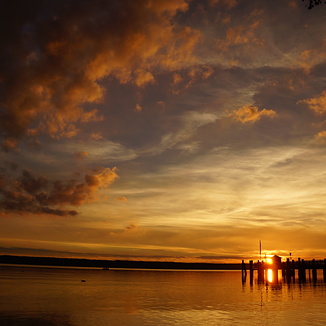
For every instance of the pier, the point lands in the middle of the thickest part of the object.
(292, 271)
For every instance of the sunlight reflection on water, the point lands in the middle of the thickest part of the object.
(53, 296)
(270, 275)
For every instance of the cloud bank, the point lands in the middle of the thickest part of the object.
(28, 193)
(55, 58)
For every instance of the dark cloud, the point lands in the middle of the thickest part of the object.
(28, 193)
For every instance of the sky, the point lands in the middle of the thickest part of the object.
(167, 130)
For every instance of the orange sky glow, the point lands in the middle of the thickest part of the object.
(175, 130)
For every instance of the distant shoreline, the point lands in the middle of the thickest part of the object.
(124, 264)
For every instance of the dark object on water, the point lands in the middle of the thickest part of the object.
(83, 280)
(106, 268)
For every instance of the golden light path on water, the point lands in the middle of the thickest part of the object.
(270, 276)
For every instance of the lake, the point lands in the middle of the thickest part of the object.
(94, 297)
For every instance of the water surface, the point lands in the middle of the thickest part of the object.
(58, 296)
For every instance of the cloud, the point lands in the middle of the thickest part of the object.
(143, 78)
(189, 148)
(81, 155)
(311, 57)
(96, 136)
(240, 39)
(251, 114)
(54, 59)
(38, 195)
(121, 198)
(101, 151)
(320, 137)
(229, 3)
(191, 121)
(316, 104)
(176, 78)
(138, 108)
(9, 144)
(186, 79)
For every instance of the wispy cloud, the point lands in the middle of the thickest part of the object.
(190, 123)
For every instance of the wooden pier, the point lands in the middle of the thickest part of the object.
(292, 271)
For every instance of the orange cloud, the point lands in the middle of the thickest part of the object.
(251, 114)
(241, 39)
(207, 72)
(316, 104)
(148, 40)
(138, 108)
(176, 79)
(81, 155)
(198, 72)
(127, 40)
(96, 136)
(121, 198)
(143, 78)
(243, 35)
(321, 136)
(9, 144)
(311, 57)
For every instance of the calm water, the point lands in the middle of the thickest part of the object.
(56, 296)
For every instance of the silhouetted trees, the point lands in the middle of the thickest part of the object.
(312, 3)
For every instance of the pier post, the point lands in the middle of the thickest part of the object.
(275, 272)
(301, 271)
(251, 271)
(260, 269)
(288, 271)
(244, 271)
(304, 271)
(324, 271)
(314, 271)
(293, 271)
(283, 270)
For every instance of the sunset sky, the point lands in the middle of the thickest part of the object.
(163, 130)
